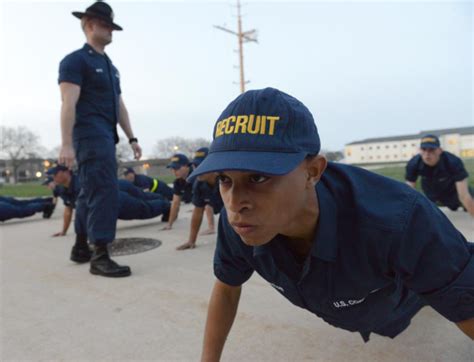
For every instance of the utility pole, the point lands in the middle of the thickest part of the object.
(243, 37)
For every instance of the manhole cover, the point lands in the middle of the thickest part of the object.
(128, 246)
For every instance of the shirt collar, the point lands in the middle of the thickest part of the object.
(91, 51)
(325, 240)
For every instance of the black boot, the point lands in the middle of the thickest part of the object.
(101, 264)
(80, 252)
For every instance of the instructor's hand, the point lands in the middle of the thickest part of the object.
(137, 150)
(59, 234)
(66, 156)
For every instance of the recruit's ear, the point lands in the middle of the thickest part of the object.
(315, 167)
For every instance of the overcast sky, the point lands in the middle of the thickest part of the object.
(364, 69)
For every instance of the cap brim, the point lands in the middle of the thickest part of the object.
(428, 145)
(174, 166)
(269, 163)
(80, 15)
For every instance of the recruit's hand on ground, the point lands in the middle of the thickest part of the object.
(167, 227)
(208, 232)
(60, 233)
(137, 150)
(188, 245)
(66, 156)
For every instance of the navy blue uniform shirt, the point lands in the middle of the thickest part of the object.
(381, 251)
(69, 194)
(205, 194)
(438, 182)
(183, 189)
(97, 110)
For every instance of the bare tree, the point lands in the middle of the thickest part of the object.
(18, 145)
(123, 151)
(166, 147)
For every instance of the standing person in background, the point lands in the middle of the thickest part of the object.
(444, 179)
(92, 106)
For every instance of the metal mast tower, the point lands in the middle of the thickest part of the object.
(243, 37)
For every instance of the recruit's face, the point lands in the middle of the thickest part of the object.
(431, 156)
(261, 206)
(101, 31)
(181, 172)
(130, 177)
(61, 178)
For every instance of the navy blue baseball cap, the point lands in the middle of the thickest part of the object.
(177, 161)
(429, 141)
(55, 169)
(200, 155)
(128, 170)
(265, 131)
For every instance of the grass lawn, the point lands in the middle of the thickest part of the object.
(35, 189)
(25, 190)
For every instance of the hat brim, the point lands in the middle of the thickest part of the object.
(428, 145)
(268, 163)
(174, 166)
(80, 15)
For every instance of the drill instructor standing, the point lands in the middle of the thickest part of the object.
(92, 106)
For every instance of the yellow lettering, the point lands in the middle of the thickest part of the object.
(229, 129)
(253, 127)
(272, 120)
(219, 129)
(263, 124)
(241, 123)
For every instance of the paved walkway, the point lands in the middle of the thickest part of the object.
(53, 309)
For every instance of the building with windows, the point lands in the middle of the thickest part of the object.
(458, 141)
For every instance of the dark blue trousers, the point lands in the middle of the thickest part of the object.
(131, 208)
(97, 203)
(11, 208)
(131, 189)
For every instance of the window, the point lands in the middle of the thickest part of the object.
(394, 146)
(362, 148)
(404, 145)
(395, 156)
(387, 146)
(362, 157)
(378, 147)
(370, 147)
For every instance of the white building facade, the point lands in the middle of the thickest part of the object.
(458, 141)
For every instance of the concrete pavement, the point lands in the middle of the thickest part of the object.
(53, 309)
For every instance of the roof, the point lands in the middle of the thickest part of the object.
(437, 132)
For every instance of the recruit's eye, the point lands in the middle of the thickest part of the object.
(223, 180)
(258, 179)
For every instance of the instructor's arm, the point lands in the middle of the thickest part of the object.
(69, 96)
(220, 316)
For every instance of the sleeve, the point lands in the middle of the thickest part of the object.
(434, 260)
(117, 81)
(71, 69)
(197, 198)
(229, 266)
(457, 169)
(411, 171)
(178, 187)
